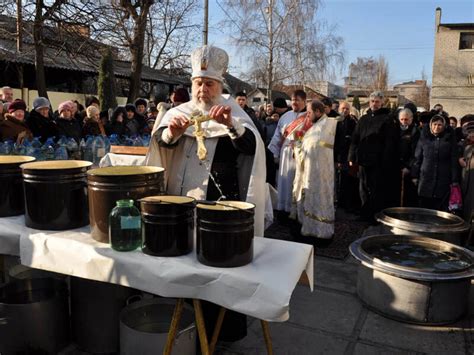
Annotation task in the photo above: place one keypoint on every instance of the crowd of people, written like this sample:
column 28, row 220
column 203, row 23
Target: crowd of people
column 383, row 159
column 72, row 119
column 317, row 154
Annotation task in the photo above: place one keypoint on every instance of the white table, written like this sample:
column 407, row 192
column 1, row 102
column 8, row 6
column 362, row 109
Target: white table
column 261, row 289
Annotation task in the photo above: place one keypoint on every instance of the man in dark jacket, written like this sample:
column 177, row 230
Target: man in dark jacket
column 374, row 148
column 346, row 179
column 241, row 99
column 409, row 135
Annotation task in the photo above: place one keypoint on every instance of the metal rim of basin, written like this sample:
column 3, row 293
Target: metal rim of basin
column 358, row 252
column 458, row 224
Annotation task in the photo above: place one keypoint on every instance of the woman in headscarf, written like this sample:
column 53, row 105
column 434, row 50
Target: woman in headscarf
column 14, row 127
column 435, row 166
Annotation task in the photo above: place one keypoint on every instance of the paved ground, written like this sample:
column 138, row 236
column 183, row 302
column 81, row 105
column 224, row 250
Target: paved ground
column 332, row 320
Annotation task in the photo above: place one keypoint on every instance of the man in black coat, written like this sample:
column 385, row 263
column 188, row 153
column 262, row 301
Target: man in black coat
column 241, row 99
column 409, row 135
column 346, row 179
column 374, row 148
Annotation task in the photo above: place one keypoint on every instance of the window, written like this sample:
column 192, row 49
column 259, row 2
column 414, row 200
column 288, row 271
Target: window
column 466, row 40
column 257, row 99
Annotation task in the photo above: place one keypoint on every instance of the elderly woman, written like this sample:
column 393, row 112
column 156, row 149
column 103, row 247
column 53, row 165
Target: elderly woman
column 92, row 123
column 13, row 126
column 67, row 125
column 435, row 166
column 40, row 120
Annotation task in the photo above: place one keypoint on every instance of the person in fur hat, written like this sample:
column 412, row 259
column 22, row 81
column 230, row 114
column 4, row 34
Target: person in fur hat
column 14, row 126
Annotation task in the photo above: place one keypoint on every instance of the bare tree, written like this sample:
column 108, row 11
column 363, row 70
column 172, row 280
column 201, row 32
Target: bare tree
column 285, row 38
column 369, row 74
column 423, row 97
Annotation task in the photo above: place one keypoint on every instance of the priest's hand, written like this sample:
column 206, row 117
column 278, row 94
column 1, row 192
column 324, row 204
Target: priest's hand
column 178, row 125
column 221, row 114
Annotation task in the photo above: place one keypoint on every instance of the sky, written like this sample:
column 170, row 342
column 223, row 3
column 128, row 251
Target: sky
column 401, row 30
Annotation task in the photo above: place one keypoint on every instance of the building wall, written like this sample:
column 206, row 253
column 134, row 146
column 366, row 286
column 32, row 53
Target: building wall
column 451, row 69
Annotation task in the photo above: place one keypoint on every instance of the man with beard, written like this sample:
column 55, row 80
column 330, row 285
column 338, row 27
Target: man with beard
column 281, row 146
column 234, row 166
column 374, row 148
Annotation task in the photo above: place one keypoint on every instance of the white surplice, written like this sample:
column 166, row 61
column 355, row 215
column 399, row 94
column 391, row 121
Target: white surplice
column 313, row 191
column 187, row 175
column 283, row 149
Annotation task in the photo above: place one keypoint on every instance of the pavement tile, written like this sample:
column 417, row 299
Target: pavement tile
column 336, row 275
column 365, row 349
column 433, row 340
column 324, row 310
column 286, row 339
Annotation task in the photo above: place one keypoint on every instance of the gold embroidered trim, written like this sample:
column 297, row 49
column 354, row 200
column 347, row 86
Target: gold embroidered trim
column 317, row 218
column 325, row 145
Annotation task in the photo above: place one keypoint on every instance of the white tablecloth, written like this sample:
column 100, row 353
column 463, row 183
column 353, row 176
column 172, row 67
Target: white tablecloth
column 10, row 230
column 112, row 159
column 261, row 289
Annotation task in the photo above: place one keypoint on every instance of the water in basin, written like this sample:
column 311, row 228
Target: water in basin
column 419, row 257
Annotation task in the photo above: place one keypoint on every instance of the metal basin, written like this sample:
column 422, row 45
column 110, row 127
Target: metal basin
column 413, row 279
column 424, row 222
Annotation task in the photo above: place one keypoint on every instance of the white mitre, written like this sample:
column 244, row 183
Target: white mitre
column 209, row 62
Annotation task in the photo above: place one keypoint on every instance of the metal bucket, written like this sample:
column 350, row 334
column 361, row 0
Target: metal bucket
column 22, row 272
column 34, row 317
column 414, row 279
column 11, row 185
column 424, row 222
column 168, row 225
column 144, row 328
column 225, row 232
column 110, row 184
column 56, row 194
column 95, row 311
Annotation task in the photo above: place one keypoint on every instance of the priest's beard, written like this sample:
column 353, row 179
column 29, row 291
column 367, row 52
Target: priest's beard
column 206, row 106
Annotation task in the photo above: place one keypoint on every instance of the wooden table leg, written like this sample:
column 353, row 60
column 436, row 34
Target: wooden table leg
column 201, row 327
column 266, row 336
column 178, row 311
column 217, row 330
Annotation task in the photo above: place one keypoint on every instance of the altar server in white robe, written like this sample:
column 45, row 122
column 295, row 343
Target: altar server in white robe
column 281, row 146
column 313, row 191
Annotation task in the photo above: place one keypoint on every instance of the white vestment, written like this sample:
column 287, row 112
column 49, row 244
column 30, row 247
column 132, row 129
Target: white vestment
column 282, row 148
column 186, row 175
column 313, row 191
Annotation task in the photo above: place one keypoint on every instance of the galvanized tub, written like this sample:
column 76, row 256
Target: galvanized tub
column 34, row 317
column 144, row 328
column 413, row 279
column 424, row 222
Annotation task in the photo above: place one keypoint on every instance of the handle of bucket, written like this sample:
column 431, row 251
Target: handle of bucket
column 185, row 330
column 133, row 299
column 170, row 202
column 213, row 203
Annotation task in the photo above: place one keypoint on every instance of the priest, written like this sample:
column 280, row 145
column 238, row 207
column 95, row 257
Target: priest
column 211, row 150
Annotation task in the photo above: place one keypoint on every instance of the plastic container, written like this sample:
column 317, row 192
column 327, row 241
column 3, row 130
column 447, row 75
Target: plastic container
column 125, row 226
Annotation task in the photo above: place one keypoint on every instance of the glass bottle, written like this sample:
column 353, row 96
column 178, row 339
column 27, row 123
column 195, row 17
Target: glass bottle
column 125, row 226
